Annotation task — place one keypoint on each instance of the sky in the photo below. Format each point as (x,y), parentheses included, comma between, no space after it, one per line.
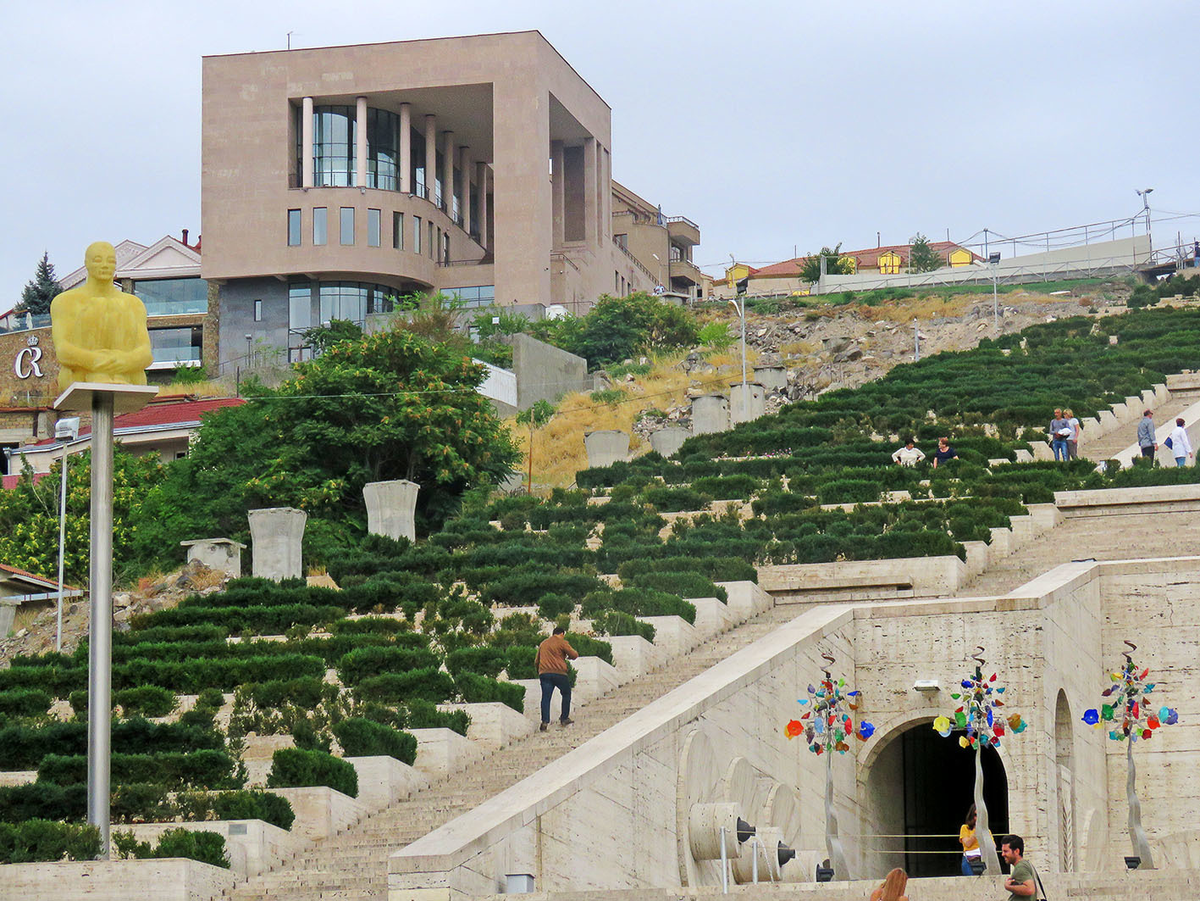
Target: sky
(778,127)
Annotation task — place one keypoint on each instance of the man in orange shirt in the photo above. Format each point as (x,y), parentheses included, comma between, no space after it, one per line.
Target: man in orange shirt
(551,662)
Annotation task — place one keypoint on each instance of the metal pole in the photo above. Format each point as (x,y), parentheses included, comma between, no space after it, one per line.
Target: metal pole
(62,543)
(995,302)
(745,405)
(100,632)
(754,862)
(916,340)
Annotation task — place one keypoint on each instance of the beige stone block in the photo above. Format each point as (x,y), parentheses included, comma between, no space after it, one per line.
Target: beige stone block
(977,557)
(596,678)
(384,780)
(115,880)
(443,751)
(17,777)
(1108,421)
(1001,544)
(253,846)
(533,696)
(746,599)
(321,811)
(712,616)
(493,724)
(632,655)
(673,635)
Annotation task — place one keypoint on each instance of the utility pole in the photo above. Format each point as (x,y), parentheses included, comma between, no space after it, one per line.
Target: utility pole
(66,431)
(994,260)
(916,340)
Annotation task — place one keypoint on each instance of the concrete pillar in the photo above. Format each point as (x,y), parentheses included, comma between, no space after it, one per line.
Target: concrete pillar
(589,190)
(667,441)
(606,447)
(448,172)
(464,175)
(756,402)
(560,191)
(360,141)
(431,158)
(481,180)
(773,378)
(222,554)
(406,148)
(275,537)
(391,507)
(306,139)
(710,413)
(606,199)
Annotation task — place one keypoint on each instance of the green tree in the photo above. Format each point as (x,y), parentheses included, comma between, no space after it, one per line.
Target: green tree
(43,288)
(392,405)
(29,515)
(619,327)
(535,417)
(921,256)
(716,335)
(835,264)
(322,337)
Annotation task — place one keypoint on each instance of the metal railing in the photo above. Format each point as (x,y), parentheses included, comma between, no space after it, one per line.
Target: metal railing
(684,219)
(636,262)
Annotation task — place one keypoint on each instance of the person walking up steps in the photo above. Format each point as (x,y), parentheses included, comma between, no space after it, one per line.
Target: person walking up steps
(551,661)
(1179,444)
(1145,435)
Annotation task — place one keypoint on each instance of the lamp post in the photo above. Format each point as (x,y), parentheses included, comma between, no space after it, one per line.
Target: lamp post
(741,311)
(1145,195)
(65,430)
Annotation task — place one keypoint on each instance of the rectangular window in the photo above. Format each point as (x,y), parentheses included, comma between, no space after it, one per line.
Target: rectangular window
(416,248)
(320,225)
(373,228)
(175,345)
(622,241)
(293,228)
(173,296)
(446,248)
(299,307)
(347,230)
(398,231)
(258,311)
(433,244)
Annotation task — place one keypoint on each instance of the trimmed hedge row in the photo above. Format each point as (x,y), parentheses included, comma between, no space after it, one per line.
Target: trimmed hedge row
(398,688)
(23,748)
(297,768)
(361,737)
(197,769)
(38,840)
(638,602)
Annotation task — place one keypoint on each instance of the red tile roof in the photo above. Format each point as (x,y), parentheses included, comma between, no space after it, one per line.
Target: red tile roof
(867,259)
(12,570)
(11,481)
(166,411)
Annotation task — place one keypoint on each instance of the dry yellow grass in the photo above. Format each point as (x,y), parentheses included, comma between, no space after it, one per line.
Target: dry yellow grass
(200,389)
(558,451)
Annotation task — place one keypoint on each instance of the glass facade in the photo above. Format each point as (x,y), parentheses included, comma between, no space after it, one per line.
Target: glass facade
(173,296)
(354,300)
(383,150)
(478,296)
(333,146)
(320,225)
(176,345)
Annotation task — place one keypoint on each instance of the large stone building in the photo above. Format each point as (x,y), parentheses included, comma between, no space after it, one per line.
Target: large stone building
(336,179)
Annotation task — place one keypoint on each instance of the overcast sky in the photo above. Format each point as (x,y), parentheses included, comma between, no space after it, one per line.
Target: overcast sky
(773,125)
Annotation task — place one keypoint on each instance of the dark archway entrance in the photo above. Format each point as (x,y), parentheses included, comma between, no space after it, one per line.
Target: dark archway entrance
(921,786)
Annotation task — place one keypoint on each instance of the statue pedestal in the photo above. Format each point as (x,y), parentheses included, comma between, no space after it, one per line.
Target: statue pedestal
(104,401)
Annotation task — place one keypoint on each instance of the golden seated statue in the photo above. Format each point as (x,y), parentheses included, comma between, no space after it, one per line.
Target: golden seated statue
(100,331)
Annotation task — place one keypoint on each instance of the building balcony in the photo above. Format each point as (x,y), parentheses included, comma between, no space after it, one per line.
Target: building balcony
(686,271)
(682,230)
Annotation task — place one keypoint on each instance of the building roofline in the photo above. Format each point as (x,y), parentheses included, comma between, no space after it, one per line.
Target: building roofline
(455,37)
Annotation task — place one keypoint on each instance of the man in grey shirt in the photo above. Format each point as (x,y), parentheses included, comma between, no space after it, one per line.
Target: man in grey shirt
(1145,435)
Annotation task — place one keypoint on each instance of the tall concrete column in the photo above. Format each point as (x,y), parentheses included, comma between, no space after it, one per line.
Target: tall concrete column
(464,173)
(405,148)
(590,217)
(306,139)
(360,141)
(276,534)
(606,198)
(431,158)
(560,191)
(448,173)
(391,507)
(481,180)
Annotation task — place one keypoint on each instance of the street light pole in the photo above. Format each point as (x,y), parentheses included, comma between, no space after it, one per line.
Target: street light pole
(741,309)
(1145,195)
(65,430)
(994,259)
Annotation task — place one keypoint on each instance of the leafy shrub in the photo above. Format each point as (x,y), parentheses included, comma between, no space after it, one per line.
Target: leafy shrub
(360,737)
(480,689)
(306,692)
(639,602)
(206,847)
(528,588)
(59,681)
(23,747)
(296,768)
(236,805)
(25,702)
(371,625)
(684,584)
(422,684)
(44,800)
(587,646)
(669,499)
(519,662)
(552,606)
(719,569)
(43,840)
(614,622)
(198,769)
(727,487)
(425,715)
(367,662)
(483,660)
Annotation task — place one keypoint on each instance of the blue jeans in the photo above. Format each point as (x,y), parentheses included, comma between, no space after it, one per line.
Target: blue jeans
(1059,446)
(966,866)
(551,681)
(1179,461)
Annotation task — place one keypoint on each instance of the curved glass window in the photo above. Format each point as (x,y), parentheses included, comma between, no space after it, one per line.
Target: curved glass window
(354,300)
(173,296)
(333,146)
(383,150)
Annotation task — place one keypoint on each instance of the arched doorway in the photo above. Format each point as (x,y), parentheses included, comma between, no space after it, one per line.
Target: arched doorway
(920,787)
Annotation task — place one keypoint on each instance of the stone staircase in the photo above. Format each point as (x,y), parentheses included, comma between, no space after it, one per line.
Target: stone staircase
(352,865)
(1108,446)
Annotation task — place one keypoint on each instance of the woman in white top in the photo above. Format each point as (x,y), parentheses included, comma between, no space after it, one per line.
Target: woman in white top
(1181,447)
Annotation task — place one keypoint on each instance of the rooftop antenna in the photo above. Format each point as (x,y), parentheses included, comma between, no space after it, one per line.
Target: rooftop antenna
(289,39)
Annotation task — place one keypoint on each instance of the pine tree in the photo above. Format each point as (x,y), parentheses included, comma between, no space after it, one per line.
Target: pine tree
(922,257)
(43,288)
